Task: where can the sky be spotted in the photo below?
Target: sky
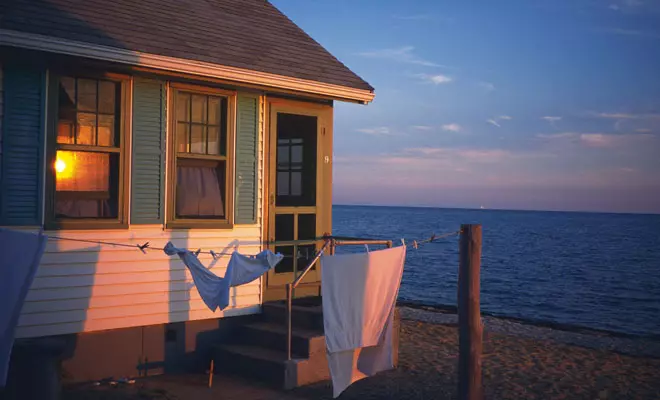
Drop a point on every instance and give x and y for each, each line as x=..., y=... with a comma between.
x=514, y=104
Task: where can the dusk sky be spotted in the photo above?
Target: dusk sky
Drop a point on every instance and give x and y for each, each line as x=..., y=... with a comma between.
x=547, y=105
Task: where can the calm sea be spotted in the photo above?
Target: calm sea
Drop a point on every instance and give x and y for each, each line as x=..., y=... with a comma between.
x=586, y=269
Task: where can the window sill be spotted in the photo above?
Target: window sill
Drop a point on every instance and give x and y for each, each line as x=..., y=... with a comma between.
x=192, y=224
x=84, y=225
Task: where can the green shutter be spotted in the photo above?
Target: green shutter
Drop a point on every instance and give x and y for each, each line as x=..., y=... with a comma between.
x=247, y=133
x=21, y=194
x=148, y=162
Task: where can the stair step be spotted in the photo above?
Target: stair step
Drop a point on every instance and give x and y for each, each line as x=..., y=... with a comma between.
x=271, y=366
x=264, y=364
x=310, y=317
x=304, y=342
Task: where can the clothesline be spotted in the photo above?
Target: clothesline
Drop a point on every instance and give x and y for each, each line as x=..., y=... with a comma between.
x=147, y=246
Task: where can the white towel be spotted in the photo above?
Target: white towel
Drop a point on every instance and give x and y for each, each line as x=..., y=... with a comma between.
x=359, y=297
x=21, y=255
x=242, y=269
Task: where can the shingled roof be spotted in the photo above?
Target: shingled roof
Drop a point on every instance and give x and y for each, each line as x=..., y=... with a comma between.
x=247, y=34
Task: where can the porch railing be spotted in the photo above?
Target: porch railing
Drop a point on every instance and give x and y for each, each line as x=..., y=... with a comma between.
x=332, y=243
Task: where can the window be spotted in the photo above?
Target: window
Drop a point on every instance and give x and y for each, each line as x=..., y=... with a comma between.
x=86, y=157
x=202, y=132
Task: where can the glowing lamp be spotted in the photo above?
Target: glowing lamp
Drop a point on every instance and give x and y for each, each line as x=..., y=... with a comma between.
x=60, y=166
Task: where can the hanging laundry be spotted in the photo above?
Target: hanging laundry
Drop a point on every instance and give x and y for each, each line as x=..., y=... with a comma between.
x=359, y=298
x=21, y=255
x=240, y=270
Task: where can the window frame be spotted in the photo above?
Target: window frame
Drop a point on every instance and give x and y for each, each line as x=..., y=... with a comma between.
x=172, y=222
x=125, y=113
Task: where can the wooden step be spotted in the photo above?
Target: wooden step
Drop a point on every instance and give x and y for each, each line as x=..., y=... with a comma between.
x=270, y=366
x=308, y=317
x=304, y=342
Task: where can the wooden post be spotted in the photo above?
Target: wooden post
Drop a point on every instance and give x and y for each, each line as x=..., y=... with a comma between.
x=211, y=375
x=470, y=331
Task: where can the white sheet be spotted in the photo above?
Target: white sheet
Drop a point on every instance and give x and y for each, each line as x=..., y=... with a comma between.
x=241, y=269
x=21, y=255
x=359, y=296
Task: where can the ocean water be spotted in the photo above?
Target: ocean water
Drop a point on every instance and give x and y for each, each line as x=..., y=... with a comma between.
x=592, y=270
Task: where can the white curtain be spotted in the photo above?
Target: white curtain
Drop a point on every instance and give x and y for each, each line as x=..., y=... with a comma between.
x=198, y=192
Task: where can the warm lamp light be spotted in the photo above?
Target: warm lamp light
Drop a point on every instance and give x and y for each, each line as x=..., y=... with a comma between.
x=60, y=166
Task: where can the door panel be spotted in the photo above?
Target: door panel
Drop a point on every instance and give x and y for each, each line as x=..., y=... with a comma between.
x=299, y=206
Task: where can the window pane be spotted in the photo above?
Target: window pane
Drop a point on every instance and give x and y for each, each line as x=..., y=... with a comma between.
x=86, y=129
x=283, y=183
x=198, y=108
x=214, y=110
x=197, y=139
x=214, y=140
x=86, y=184
x=306, y=226
x=65, y=131
x=182, y=137
x=286, y=265
x=296, y=183
x=66, y=110
x=86, y=95
x=200, y=190
x=282, y=153
x=106, y=130
x=284, y=227
x=107, y=91
x=296, y=154
x=305, y=256
x=182, y=106
x=67, y=92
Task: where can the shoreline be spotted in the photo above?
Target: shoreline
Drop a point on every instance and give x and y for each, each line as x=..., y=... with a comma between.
x=450, y=309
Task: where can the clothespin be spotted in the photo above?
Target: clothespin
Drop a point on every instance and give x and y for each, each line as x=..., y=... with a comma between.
x=366, y=246
x=415, y=245
x=143, y=247
x=213, y=254
x=403, y=242
x=198, y=251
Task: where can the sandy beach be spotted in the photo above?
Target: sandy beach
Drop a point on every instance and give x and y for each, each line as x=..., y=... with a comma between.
x=520, y=361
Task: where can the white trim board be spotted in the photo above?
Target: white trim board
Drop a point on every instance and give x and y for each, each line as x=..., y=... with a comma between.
x=73, y=48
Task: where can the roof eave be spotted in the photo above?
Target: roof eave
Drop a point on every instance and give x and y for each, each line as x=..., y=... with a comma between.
x=239, y=75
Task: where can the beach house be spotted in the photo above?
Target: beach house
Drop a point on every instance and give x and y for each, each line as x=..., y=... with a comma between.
x=205, y=123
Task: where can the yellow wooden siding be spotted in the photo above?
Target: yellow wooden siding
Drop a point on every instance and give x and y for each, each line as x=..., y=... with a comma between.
x=86, y=287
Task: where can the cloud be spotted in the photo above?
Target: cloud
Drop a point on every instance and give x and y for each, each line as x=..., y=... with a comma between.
x=562, y=135
x=597, y=140
x=461, y=156
x=422, y=127
x=414, y=17
x=435, y=79
x=625, y=5
x=493, y=122
x=626, y=116
x=452, y=127
x=629, y=33
x=403, y=54
x=377, y=131
x=487, y=85
x=551, y=119
x=643, y=130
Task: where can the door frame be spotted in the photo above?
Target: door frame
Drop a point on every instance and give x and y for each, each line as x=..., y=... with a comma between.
x=324, y=115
